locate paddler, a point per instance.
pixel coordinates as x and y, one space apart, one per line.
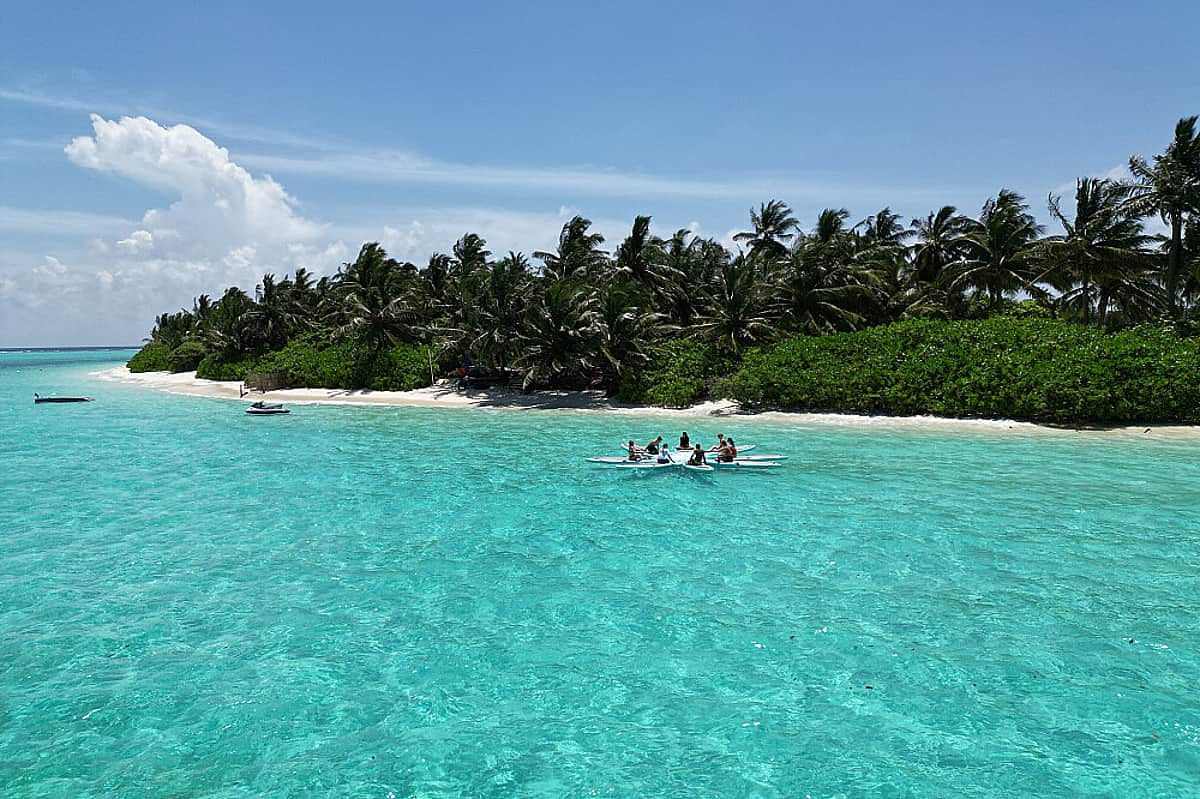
720 443
685 443
634 455
697 458
728 453
653 447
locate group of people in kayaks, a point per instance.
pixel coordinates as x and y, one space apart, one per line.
725 450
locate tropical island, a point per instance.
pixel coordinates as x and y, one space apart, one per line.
950 314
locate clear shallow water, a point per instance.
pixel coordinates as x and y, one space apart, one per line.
200 603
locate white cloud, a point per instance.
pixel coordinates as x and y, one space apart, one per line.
224 227
407 168
219 201
139 241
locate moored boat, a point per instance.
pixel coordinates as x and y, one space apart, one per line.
38 398
261 408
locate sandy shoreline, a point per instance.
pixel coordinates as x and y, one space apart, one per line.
444 396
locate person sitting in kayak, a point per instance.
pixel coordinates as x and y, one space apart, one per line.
684 441
720 445
652 447
728 453
697 458
664 455
634 454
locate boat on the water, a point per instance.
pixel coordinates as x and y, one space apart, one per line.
261 408
711 466
38 398
680 458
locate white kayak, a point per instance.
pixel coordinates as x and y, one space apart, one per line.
645 465
681 459
746 464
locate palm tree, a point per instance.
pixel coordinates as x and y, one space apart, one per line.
624 332
883 230
821 288
226 332
880 254
735 316
275 313
774 226
201 308
1100 261
303 289
943 239
172 329
641 260
578 256
1191 264
997 258
559 336
1170 188
470 255
370 304
433 284
496 297
687 260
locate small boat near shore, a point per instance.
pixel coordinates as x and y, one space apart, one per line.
38 398
679 458
261 408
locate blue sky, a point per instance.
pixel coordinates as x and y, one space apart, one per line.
414 123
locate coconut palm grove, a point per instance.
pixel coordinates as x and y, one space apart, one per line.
963 312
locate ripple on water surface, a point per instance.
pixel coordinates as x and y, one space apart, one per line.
201 603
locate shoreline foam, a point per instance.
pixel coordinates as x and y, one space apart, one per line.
445 396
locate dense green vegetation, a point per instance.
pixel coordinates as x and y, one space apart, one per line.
951 314
1041 370
153 357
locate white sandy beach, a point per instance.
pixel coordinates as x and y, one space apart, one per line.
444 396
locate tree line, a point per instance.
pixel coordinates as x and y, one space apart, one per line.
583 315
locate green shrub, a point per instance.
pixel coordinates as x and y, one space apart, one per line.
187 356
313 361
219 367
151 358
1032 369
401 368
678 375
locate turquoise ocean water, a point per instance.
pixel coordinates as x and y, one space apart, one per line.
199 603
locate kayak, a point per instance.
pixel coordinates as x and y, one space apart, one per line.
679 459
746 464
644 465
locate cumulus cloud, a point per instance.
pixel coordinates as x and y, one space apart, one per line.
224 227
220 203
